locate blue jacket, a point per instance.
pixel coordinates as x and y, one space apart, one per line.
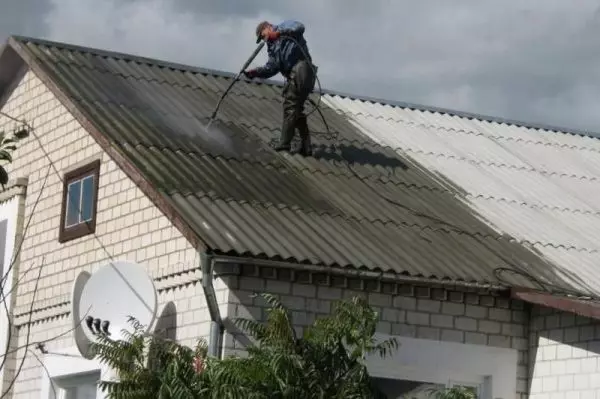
284 53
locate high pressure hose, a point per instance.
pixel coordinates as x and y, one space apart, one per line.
314 68
247 63
237 77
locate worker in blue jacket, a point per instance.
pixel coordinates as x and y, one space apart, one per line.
288 55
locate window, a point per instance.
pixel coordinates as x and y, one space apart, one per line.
420 364
405 389
474 388
80 195
409 389
83 386
68 376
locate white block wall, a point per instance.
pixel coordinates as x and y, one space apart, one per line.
564 356
129 226
404 310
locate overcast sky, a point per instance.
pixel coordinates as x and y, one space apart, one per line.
531 60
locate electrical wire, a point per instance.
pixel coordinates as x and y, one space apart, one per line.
72 203
76 206
27 336
17 252
61 179
16 281
48 375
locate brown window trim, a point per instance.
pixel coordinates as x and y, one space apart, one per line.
83 229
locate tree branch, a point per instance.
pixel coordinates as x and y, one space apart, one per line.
4 277
28 336
52 385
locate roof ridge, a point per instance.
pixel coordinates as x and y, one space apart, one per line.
333 93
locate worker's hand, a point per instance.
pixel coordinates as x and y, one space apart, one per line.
273 35
250 74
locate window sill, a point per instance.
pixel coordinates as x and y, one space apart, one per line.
73 233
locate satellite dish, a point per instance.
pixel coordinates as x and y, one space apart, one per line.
83 344
103 302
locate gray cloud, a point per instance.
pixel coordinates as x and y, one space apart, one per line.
25 17
533 60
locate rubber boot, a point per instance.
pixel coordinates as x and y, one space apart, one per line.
290 115
305 148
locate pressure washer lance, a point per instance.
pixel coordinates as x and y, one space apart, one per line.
252 57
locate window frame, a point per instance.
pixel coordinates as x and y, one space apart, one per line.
67 366
84 228
492 369
64 383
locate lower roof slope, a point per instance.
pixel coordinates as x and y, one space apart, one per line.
374 195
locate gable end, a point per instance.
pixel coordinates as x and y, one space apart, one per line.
159 200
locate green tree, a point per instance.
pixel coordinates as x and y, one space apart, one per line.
326 362
456 392
7 146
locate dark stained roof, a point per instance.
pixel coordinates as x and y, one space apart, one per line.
354 204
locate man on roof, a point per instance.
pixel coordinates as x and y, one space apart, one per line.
288 55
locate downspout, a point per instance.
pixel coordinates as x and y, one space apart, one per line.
217 329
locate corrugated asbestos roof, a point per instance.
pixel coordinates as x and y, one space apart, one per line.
391 189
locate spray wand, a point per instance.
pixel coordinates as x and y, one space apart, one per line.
252 57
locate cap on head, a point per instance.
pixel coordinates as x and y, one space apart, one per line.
259 28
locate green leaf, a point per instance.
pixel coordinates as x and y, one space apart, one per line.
326 362
3 176
5 156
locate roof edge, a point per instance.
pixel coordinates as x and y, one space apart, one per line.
131 170
334 93
355 272
585 307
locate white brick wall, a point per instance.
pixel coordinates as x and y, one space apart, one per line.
128 225
564 356
411 312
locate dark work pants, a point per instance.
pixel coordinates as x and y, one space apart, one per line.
296 90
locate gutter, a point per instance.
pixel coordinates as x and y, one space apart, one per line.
217 329
358 273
